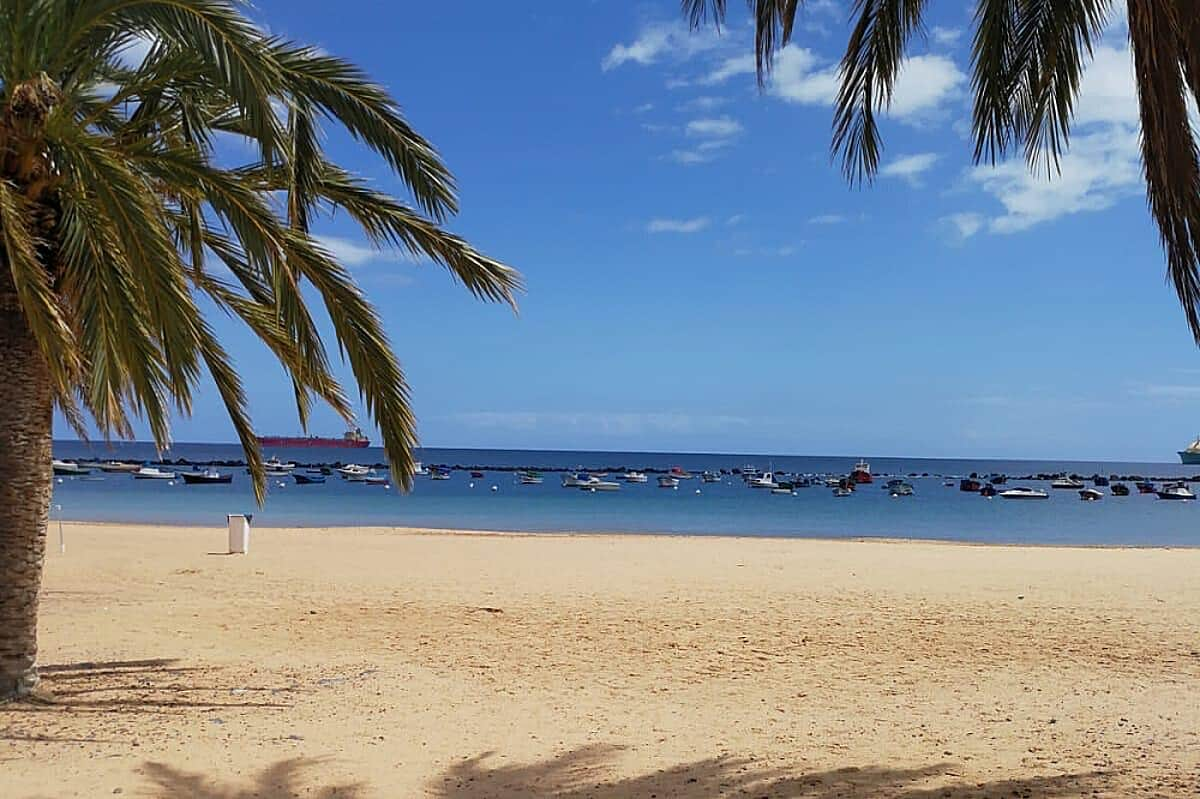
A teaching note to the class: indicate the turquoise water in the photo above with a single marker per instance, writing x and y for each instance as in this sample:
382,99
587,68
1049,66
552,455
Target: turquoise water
935,512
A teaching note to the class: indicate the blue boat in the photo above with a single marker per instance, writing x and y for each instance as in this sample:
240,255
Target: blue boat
308,479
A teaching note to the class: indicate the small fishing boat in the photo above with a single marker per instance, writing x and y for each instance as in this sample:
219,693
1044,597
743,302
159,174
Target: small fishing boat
766,480
667,481
948,483
475,473
1146,487
710,477
118,466
308,478
206,477
989,490
275,465
376,480
439,473
1024,492
1176,491
969,484
1099,480
634,477
861,472
901,490
842,491
529,478
593,483
679,473
782,490
352,469
1066,482
153,473
69,468
1119,490
998,479
572,480
1090,494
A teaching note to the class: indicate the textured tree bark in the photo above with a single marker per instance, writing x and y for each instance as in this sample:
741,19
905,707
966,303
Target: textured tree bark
26,483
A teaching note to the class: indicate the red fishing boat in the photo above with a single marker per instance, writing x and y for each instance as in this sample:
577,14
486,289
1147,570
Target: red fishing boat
352,439
861,473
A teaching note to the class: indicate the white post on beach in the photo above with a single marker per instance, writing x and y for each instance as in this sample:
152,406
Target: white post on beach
62,542
239,533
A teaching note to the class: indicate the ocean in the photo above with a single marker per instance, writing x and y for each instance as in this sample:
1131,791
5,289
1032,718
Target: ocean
727,508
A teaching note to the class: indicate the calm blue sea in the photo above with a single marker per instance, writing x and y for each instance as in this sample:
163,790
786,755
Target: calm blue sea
935,512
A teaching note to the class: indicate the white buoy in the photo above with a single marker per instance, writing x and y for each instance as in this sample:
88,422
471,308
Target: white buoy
697,491
470,485
495,488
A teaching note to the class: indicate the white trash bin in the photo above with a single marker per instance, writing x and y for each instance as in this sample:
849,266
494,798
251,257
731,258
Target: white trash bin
239,533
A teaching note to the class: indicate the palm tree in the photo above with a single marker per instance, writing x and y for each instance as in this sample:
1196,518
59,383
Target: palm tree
1027,58
121,205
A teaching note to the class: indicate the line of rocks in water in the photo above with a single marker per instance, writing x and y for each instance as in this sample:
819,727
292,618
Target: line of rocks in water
1042,476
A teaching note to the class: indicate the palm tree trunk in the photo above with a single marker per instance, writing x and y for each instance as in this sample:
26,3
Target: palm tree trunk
25,488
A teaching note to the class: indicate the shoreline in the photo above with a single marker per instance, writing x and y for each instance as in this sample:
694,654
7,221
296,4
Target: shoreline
614,535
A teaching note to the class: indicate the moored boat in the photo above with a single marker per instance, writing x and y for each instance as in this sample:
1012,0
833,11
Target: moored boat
969,484
842,491
206,477
710,477
118,466
1191,455
1146,487
275,465
679,473
667,481
1119,490
634,477
477,474
900,488
1090,494
1066,482
153,473
308,479
861,473
529,478
1176,491
593,483
69,468
1024,492
989,490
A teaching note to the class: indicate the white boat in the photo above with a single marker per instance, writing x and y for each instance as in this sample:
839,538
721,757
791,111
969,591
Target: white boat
118,466
275,465
351,469
69,468
666,481
900,489
635,477
153,473
593,483
767,480
419,469
710,477
1023,492
1067,482
1090,495
782,491
571,480
842,492
1176,491
529,478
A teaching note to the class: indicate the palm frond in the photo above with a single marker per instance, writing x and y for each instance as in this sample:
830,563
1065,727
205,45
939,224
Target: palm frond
869,68
992,78
1169,153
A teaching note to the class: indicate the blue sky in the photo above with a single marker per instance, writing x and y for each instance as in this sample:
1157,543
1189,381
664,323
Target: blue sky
701,278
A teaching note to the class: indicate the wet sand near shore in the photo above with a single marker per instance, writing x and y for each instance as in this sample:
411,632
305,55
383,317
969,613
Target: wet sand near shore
388,663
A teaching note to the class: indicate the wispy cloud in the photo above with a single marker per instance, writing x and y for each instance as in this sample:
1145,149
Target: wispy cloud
963,225
658,41
705,102
910,167
701,153
724,127
694,225
352,253
736,219
730,68
826,219
711,136
644,108
1167,391
946,37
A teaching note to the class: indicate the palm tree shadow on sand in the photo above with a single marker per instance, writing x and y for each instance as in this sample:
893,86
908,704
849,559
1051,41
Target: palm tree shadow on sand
585,774
283,780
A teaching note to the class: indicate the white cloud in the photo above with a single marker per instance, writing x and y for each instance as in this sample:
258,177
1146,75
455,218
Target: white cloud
736,219
1168,392
909,167
694,225
826,219
352,253
703,103
730,68
643,108
716,127
924,85
965,225
946,37
660,40
702,153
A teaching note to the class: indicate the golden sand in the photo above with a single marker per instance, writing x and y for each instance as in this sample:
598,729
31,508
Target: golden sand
380,663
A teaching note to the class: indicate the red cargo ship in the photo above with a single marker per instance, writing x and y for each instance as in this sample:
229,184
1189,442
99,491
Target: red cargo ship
353,439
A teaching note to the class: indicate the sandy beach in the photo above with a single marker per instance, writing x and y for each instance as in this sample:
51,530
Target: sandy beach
387,663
